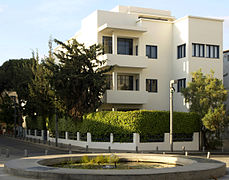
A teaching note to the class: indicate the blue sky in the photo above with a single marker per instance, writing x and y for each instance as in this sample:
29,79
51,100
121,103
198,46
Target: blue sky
26,25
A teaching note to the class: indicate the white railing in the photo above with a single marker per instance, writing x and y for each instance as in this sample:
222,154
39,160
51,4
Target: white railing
132,146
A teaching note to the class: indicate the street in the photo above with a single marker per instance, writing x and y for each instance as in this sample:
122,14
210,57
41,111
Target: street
16,150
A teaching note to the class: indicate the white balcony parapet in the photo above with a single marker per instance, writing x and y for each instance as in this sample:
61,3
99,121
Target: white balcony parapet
125,97
125,60
111,27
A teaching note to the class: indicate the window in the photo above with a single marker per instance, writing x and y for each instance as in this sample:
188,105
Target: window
107,45
109,84
125,46
181,51
136,50
151,51
212,51
125,82
151,85
181,84
197,50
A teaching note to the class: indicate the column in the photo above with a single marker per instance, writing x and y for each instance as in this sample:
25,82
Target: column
114,43
140,47
114,81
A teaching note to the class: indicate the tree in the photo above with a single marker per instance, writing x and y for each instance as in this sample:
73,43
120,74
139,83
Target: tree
77,78
206,96
15,75
41,101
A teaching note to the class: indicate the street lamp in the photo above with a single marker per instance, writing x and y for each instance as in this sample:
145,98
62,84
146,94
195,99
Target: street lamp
56,122
15,114
172,90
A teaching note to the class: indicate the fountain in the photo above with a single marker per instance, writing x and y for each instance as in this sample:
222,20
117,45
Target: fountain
184,167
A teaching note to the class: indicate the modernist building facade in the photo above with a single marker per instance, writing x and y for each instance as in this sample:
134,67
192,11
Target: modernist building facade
226,73
148,48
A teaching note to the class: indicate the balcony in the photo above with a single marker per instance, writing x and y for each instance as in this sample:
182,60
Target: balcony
125,97
129,61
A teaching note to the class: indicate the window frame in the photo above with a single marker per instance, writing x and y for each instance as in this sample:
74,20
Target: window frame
151,56
130,49
110,48
216,51
151,88
181,51
199,47
180,83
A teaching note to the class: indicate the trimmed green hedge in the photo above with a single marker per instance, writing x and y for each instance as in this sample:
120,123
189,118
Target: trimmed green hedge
144,122
141,121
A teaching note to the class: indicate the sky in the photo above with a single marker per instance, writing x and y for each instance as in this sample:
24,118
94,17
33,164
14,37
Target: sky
26,25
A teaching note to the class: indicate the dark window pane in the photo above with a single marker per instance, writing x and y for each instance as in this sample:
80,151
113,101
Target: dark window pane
107,45
125,46
151,85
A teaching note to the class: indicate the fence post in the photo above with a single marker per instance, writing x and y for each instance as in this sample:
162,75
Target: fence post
111,138
78,136
29,132
88,137
66,135
136,138
42,134
48,135
35,133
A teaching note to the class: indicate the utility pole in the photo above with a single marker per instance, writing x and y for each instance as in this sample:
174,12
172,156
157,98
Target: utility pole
172,90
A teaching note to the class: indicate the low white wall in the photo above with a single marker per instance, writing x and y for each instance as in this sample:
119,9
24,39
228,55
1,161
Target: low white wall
132,146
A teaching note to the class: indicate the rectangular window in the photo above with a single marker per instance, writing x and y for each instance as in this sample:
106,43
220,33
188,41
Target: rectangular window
107,45
151,85
151,51
197,50
125,82
181,84
136,50
212,51
181,51
109,84
125,46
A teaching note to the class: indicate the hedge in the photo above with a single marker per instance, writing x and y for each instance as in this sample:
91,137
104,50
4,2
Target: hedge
144,122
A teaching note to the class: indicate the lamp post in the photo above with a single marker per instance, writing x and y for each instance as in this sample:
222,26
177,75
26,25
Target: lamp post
172,90
56,122
15,115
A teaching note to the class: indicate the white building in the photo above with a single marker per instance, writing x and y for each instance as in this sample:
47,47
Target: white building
149,48
226,73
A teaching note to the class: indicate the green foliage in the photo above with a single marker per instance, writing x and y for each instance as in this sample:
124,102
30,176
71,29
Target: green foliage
143,122
6,110
206,95
78,80
215,119
85,159
204,92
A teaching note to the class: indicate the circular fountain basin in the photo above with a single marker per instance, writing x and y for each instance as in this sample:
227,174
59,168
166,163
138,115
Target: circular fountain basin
189,168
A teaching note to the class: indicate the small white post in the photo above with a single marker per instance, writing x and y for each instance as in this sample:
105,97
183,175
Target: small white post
35,133
29,132
88,137
42,134
66,135
48,136
78,136
111,138
208,155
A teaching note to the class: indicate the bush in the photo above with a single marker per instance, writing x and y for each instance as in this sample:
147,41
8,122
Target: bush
142,121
